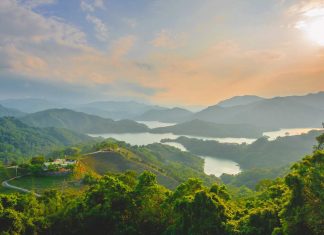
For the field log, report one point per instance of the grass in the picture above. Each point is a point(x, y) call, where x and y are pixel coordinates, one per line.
point(39, 184)
point(104, 162)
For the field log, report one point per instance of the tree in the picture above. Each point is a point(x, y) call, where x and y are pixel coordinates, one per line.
point(37, 160)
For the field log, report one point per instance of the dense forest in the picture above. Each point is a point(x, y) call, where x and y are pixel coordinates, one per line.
point(136, 204)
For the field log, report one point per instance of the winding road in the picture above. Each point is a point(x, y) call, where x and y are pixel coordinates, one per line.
point(7, 185)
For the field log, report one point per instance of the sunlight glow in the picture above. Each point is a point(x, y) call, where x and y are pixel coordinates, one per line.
point(313, 25)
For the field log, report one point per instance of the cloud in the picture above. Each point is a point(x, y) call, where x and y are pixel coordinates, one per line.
point(20, 24)
point(101, 29)
point(36, 3)
point(122, 46)
point(91, 5)
point(130, 22)
point(165, 39)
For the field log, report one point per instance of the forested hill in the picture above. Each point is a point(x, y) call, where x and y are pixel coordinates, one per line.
point(20, 140)
point(128, 204)
point(81, 122)
point(261, 153)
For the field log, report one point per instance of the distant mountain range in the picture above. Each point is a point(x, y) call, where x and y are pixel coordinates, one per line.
point(81, 122)
point(166, 115)
point(5, 112)
point(116, 109)
point(279, 112)
point(239, 100)
point(210, 129)
point(96, 117)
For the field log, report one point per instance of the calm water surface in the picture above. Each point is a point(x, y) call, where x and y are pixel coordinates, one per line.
point(212, 165)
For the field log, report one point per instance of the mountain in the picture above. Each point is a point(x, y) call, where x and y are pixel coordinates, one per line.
point(239, 100)
point(166, 115)
point(9, 112)
point(81, 122)
point(29, 105)
point(278, 112)
point(116, 109)
point(210, 129)
point(19, 139)
point(315, 100)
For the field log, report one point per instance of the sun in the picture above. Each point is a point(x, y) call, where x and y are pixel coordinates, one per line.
point(313, 25)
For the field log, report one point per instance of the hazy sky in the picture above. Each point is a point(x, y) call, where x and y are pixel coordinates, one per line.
point(191, 52)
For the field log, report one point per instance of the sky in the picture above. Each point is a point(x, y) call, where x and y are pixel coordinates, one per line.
point(166, 52)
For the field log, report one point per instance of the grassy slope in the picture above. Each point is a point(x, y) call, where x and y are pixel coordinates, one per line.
point(104, 162)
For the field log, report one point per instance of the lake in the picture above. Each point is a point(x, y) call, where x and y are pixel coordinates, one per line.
point(288, 132)
point(212, 165)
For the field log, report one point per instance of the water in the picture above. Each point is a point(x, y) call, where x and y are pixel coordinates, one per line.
point(217, 166)
point(138, 138)
point(212, 165)
point(288, 132)
point(156, 124)
point(150, 138)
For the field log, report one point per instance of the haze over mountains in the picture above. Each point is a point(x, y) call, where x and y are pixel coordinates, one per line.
point(240, 116)
point(10, 112)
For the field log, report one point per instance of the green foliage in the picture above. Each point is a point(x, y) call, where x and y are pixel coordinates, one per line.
point(119, 203)
point(37, 160)
point(19, 141)
point(304, 212)
point(260, 154)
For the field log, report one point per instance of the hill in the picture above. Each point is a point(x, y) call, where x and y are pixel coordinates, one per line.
point(171, 165)
point(279, 112)
point(116, 109)
point(20, 140)
point(210, 129)
point(8, 112)
point(166, 115)
point(239, 100)
point(81, 122)
point(262, 153)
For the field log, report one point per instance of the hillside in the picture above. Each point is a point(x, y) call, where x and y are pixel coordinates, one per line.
point(239, 100)
point(210, 129)
point(171, 165)
point(279, 112)
point(9, 112)
point(166, 115)
point(81, 122)
point(262, 153)
point(137, 204)
point(20, 140)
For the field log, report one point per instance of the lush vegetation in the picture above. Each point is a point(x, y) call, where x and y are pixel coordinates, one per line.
point(171, 165)
point(127, 204)
point(81, 122)
point(210, 129)
point(19, 141)
point(260, 154)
